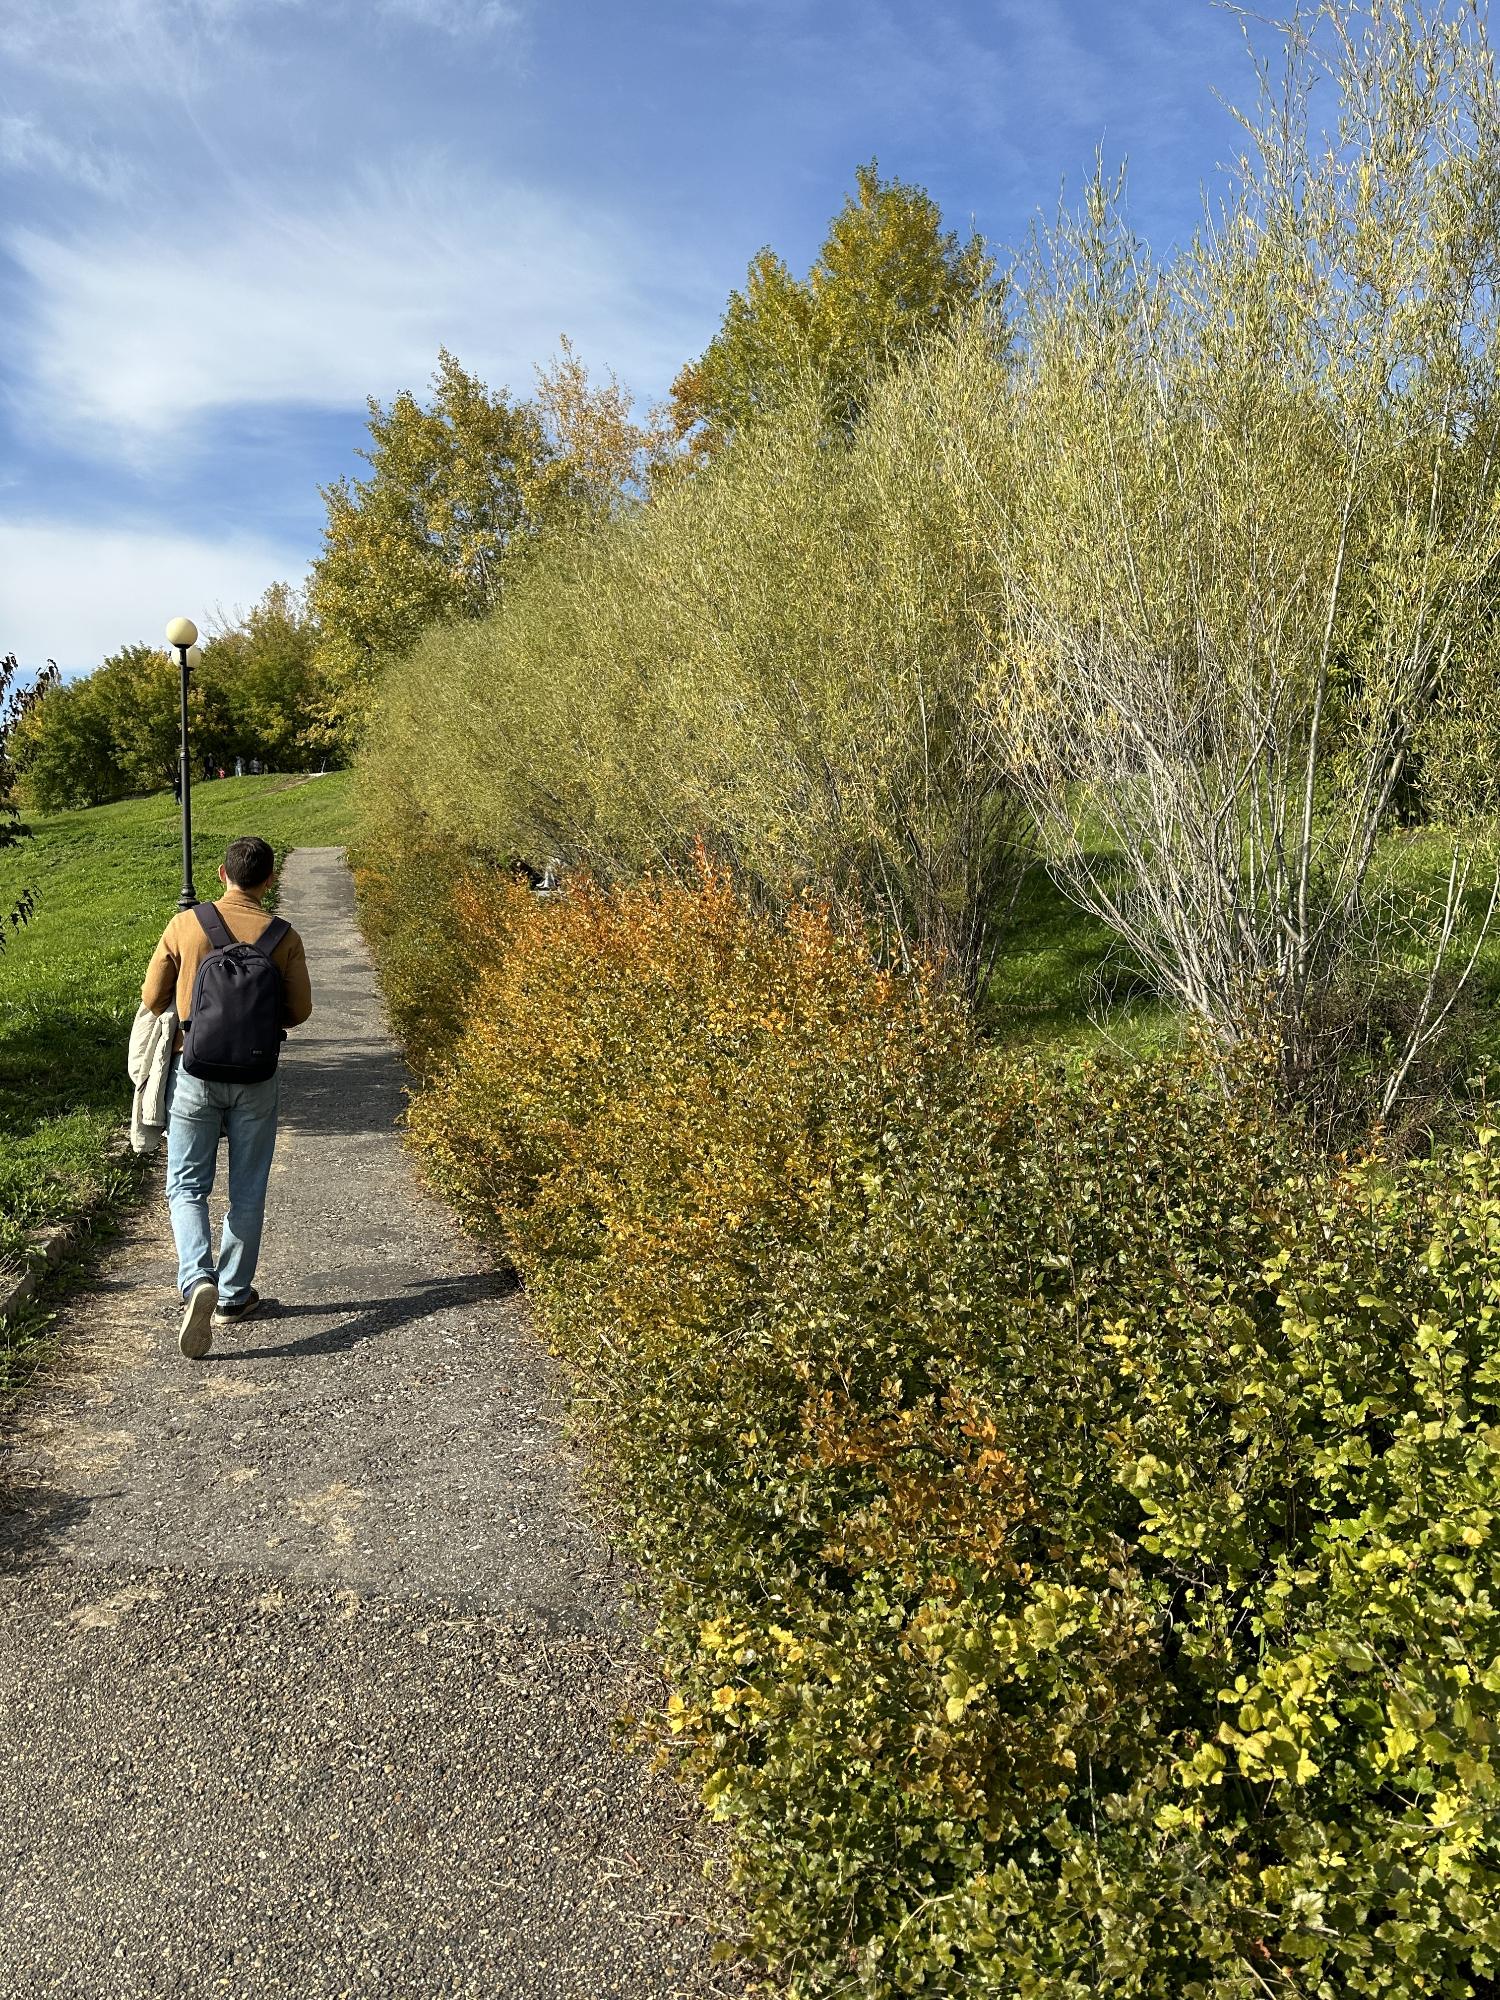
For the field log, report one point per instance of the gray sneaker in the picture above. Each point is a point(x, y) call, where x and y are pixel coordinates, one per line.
point(195, 1336)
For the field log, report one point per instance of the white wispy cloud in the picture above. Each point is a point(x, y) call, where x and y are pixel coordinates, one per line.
point(128, 338)
point(74, 592)
point(179, 47)
point(29, 146)
point(464, 19)
point(154, 45)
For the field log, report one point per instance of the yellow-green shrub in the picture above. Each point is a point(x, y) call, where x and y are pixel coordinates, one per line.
point(427, 907)
point(784, 656)
point(1072, 1511)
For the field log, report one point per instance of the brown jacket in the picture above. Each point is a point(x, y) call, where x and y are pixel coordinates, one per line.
point(184, 945)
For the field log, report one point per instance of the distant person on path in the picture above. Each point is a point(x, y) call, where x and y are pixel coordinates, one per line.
point(238, 979)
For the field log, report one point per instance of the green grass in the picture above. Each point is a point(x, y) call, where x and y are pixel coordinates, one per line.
point(1063, 981)
point(107, 882)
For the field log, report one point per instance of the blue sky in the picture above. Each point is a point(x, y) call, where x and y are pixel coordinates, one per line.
point(223, 223)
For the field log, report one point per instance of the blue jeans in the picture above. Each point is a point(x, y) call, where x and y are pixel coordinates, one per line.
point(197, 1114)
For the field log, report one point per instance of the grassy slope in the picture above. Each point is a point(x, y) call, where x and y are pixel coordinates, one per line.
point(107, 883)
point(1062, 980)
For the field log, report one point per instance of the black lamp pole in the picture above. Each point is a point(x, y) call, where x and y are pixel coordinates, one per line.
point(181, 634)
point(189, 895)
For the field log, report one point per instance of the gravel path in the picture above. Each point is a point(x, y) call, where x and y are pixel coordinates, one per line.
point(309, 1655)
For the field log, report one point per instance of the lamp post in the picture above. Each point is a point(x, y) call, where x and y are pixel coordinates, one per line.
point(182, 637)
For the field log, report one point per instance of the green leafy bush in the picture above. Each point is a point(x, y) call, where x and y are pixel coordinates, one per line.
point(1071, 1506)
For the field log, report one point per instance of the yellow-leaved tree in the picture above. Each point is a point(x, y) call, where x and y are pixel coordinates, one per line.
point(458, 489)
point(888, 277)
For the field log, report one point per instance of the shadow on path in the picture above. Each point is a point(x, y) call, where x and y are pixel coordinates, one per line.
point(35, 1516)
point(356, 1088)
point(373, 1316)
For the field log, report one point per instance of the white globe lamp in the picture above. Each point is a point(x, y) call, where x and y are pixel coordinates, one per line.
point(182, 637)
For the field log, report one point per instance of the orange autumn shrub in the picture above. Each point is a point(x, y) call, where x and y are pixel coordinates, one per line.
point(650, 1077)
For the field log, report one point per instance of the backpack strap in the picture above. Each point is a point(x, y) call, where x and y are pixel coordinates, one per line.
point(219, 934)
point(221, 937)
point(272, 935)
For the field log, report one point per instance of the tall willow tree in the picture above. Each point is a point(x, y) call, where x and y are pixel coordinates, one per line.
point(777, 656)
point(1248, 513)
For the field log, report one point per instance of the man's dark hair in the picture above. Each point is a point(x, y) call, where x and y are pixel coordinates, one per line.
point(249, 861)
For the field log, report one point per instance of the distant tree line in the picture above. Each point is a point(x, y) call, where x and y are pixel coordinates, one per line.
point(258, 695)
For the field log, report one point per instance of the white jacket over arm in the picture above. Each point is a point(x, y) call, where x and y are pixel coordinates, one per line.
point(153, 1037)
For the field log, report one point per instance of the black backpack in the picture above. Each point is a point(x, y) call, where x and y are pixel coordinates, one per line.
point(234, 1033)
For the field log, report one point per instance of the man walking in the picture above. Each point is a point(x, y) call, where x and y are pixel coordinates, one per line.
point(245, 973)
